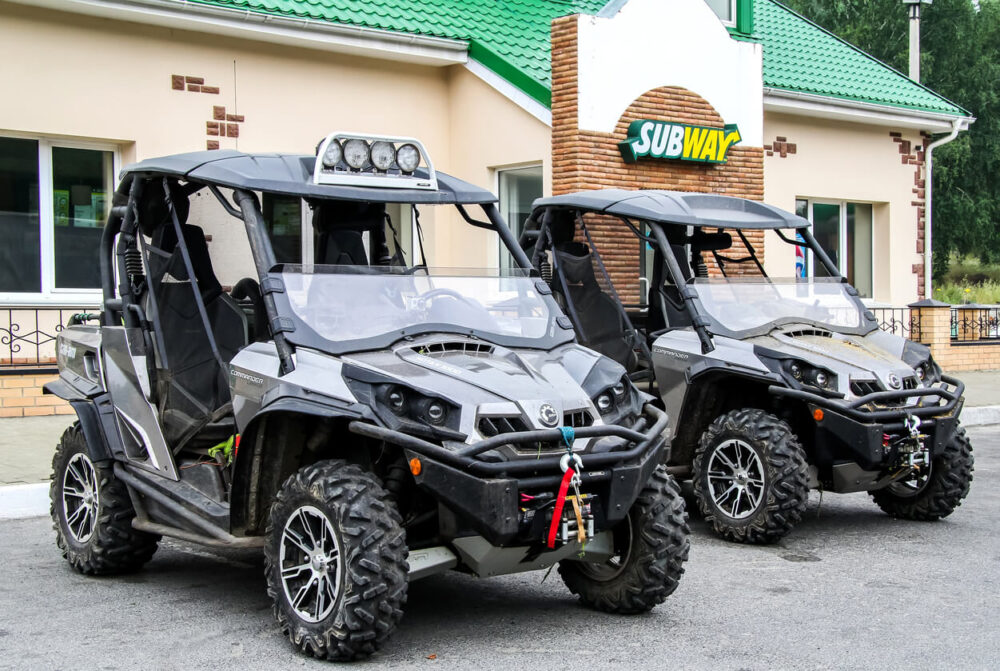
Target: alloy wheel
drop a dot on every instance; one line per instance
(310, 563)
(736, 478)
(80, 497)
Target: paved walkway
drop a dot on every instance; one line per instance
(27, 443)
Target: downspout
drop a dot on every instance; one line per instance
(956, 127)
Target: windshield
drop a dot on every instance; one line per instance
(347, 304)
(747, 304)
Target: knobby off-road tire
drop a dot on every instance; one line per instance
(750, 477)
(92, 513)
(354, 548)
(937, 494)
(651, 546)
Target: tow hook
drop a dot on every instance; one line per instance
(916, 458)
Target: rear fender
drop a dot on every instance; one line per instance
(97, 445)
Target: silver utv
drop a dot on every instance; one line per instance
(774, 386)
(364, 417)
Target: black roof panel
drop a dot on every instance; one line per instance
(679, 207)
(292, 174)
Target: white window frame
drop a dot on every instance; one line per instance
(732, 12)
(495, 248)
(842, 237)
(50, 295)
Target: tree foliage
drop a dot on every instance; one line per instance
(960, 59)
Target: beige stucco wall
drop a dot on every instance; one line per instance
(83, 77)
(852, 162)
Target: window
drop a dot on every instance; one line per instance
(844, 230)
(518, 187)
(54, 202)
(726, 9)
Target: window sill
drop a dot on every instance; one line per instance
(83, 299)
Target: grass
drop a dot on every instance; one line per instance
(985, 292)
(968, 280)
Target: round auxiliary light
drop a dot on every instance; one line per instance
(822, 378)
(408, 157)
(383, 155)
(921, 373)
(356, 153)
(604, 403)
(396, 401)
(333, 154)
(618, 390)
(796, 371)
(435, 413)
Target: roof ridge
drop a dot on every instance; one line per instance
(867, 55)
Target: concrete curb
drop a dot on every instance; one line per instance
(983, 415)
(18, 501)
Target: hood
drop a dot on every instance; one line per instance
(487, 380)
(851, 357)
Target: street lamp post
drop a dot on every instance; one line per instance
(914, 6)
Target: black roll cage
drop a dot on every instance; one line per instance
(542, 240)
(122, 226)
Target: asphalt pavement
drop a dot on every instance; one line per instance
(850, 588)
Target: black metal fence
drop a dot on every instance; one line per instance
(903, 322)
(975, 323)
(28, 337)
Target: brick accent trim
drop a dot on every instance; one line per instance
(914, 155)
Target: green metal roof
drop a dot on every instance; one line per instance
(801, 56)
(511, 38)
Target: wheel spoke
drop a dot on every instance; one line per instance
(294, 571)
(73, 491)
(296, 539)
(726, 460)
(301, 594)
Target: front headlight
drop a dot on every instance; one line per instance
(806, 375)
(928, 372)
(616, 399)
(410, 405)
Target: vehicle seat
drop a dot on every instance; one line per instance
(599, 319)
(340, 227)
(666, 307)
(195, 385)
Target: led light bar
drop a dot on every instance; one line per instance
(358, 159)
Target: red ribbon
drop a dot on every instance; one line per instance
(560, 502)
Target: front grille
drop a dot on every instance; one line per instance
(495, 426)
(578, 419)
(909, 383)
(865, 387)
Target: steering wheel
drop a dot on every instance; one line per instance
(450, 293)
(249, 289)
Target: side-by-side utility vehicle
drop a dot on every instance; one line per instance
(773, 386)
(302, 380)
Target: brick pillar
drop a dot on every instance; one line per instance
(934, 328)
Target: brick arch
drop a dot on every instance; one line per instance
(584, 159)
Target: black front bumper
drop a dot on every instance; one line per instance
(855, 430)
(486, 494)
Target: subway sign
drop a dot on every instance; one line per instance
(661, 139)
